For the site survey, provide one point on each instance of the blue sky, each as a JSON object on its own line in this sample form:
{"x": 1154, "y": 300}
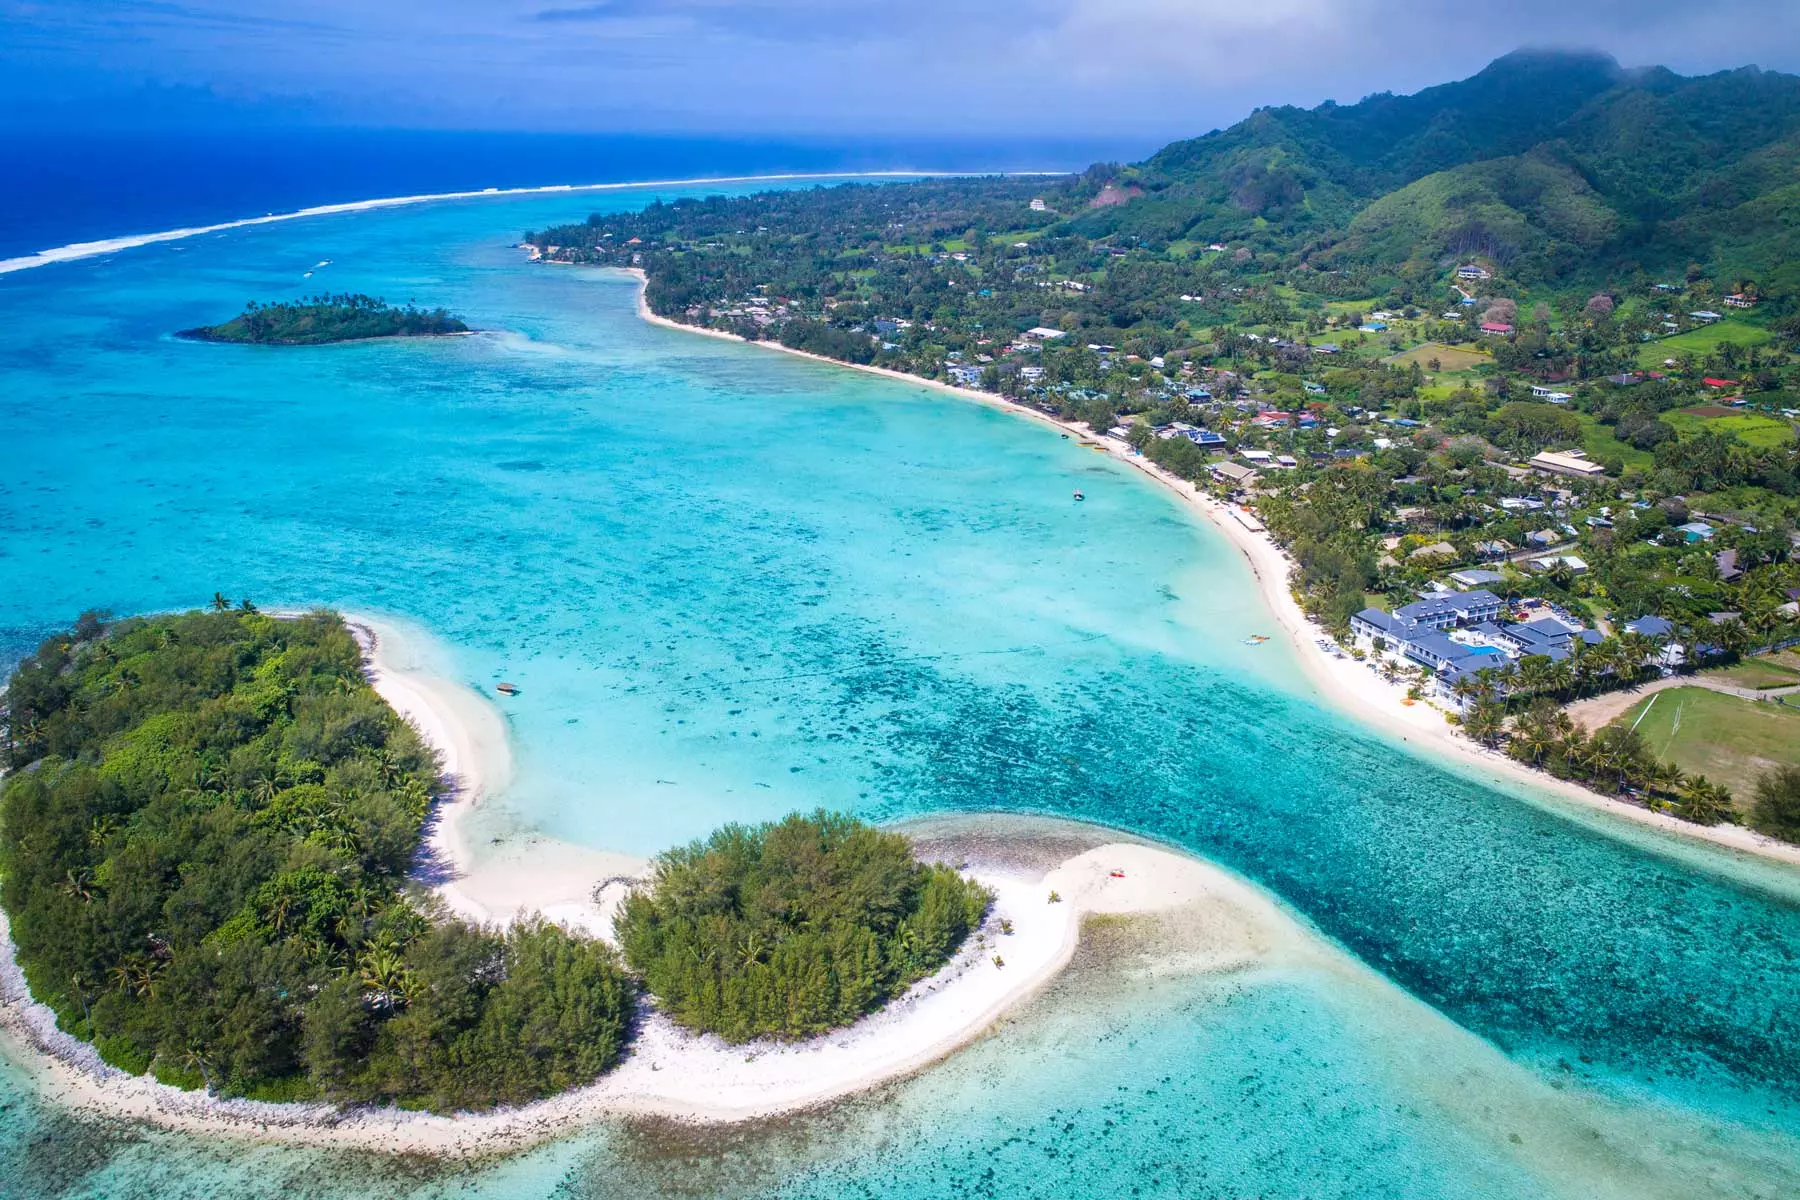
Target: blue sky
{"x": 1141, "y": 70}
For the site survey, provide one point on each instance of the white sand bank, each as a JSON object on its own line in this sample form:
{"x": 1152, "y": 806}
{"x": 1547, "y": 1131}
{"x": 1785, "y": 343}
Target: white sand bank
{"x": 497, "y": 883}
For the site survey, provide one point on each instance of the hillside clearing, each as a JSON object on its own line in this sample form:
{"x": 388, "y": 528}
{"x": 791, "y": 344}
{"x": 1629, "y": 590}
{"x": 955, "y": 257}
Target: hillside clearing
{"x": 1449, "y": 358}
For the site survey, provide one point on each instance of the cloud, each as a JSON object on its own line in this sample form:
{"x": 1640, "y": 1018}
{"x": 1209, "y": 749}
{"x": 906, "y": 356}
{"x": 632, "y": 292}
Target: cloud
{"x": 588, "y": 12}
{"x": 1141, "y": 69}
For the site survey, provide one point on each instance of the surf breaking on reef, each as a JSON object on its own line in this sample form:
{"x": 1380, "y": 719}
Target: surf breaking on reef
{"x": 79, "y": 250}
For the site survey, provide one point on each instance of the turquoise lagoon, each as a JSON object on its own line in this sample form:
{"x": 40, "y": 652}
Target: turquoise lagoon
{"x": 732, "y": 583}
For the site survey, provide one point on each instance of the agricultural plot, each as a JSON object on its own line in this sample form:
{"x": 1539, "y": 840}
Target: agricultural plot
{"x": 1702, "y": 341}
{"x": 1753, "y": 429}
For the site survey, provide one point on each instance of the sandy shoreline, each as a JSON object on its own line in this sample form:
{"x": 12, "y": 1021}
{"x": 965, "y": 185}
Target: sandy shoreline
{"x": 1349, "y": 685}
{"x": 669, "y": 1073}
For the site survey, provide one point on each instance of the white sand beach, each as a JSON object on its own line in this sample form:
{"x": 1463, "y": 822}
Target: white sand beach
{"x": 669, "y": 1073}
{"x": 1347, "y": 684}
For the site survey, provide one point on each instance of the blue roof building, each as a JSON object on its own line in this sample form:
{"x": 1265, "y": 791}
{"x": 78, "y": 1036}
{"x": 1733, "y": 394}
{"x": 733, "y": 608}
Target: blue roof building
{"x": 1656, "y": 627}
{"x": 1449, "y": 611}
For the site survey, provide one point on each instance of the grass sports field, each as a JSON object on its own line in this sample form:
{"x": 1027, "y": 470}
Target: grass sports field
{"x": 1727, "y": 739}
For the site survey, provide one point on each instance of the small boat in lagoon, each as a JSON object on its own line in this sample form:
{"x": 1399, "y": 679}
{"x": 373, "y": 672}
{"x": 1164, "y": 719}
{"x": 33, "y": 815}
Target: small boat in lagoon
{"x": 1079, "y": 496}
{"x": 507, "y": 689}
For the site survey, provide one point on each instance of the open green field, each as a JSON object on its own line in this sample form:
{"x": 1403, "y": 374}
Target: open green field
{"x": 1450, "y": 358}
{"x": 1753, "y": 429}
{"x": 1602, "y": 446}
{"x": 1338, "y": 308}
{"x": 1725, "y": 738}
{"x": 1701, "y": 341}
{"x": 1761, "y": 672}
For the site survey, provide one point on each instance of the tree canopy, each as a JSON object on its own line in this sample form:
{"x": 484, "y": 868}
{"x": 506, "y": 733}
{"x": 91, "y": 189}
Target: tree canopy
{"x": 208, "y": 819}
{"x": 791, "y": 928}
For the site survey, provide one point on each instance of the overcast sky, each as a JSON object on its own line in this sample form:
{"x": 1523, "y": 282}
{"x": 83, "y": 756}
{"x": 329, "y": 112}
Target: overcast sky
{"x": 1138, "y": 69}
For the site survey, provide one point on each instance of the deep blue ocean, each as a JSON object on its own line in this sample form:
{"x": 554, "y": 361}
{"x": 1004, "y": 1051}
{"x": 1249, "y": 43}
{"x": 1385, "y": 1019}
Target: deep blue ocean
{"x": 733, "y": 583}
{"x": 76, "y": 187}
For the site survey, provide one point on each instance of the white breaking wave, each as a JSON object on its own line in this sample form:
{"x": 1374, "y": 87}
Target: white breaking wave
{"x": 78, "y": 250}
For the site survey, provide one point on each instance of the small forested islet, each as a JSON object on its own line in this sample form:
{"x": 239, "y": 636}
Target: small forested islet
{"x": 788, "y": 929}
{"x": 319, "y": 320}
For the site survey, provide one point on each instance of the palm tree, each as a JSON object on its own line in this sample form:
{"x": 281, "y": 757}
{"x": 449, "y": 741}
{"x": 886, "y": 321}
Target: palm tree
{"x": 1486, "y": 721}
{"x": 219, "y": 602}
{"x": 1635, "y": 654}
{"x": 752, "y": 950}
{"x": 78, "y": 882}
{"x": 196, "y": 1059}
{"x": 1571, "y": 741}
{"x": 281, "y": 910}
{"x": 1704, "y": 802}
{"x": 390, "y": 981}
{"x": 1734, "y": 636}
{"x": 1620, "y": 752}
{"x": 1663, "y": 776}
{"x": 1534, "y": 731}
{"x": 101, "y": 828}
{"x": 1559, "y": 677}
{"x": 1579, "y": 664}
{"x": 137, "y": 976}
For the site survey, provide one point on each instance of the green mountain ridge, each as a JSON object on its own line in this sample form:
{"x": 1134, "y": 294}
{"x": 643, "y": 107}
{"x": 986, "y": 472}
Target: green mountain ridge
{"x": 1556, "y": 164}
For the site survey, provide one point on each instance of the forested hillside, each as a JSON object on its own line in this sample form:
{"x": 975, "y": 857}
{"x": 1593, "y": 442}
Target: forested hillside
{"x": 1659, "y": 171}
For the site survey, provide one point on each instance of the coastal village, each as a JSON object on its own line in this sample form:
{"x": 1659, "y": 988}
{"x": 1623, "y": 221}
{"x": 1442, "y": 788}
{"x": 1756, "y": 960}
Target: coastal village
{"x": 1500, "y": 496}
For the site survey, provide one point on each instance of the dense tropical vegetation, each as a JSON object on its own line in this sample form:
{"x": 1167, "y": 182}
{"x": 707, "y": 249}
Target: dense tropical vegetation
{"x": 207, "y": 823}
{"x": 328, "y": 318}
{"x": 791, "y": 928}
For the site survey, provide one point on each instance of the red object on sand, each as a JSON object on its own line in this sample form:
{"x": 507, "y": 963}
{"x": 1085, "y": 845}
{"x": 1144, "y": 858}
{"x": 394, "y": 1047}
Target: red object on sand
{"x": 1118, "y": 874}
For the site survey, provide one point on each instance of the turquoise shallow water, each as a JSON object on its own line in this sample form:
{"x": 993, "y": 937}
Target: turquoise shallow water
{"x": 732, "y": 583}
